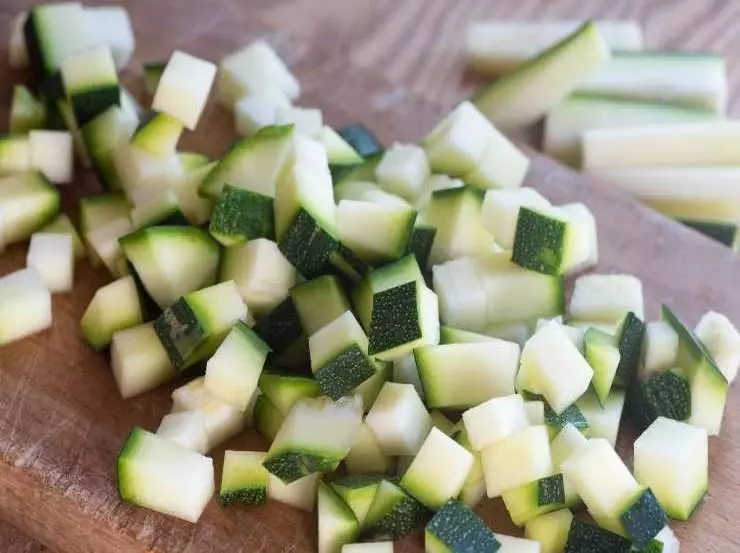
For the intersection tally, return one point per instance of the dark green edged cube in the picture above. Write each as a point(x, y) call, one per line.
point(241, 215)
point(307, 245)
point(540, 242)
point(589, 538)
point(395, 317)
point(457, 529)
point(345, 372)
point(630, 339)
point(644, 519)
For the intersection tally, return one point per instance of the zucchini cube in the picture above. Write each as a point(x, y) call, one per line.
point(26, 112)
point(25, 305)
point(53, 257)
point(516, 460)
point(63, 225)
point(139, 361)
point(438, 471)
point(261, 273)
point(550, 530)
point(536, 498)
point(461, 288)
point(399, 420)
point(15, 153)
point(339, 359)
point(241, 215)
point(722, 341)
point(366, 456)
point(459, 142)
point(461, 376)
point(187, 429)
point(285, 390)
point(586, 468)
point(235, 368)
point(602, 353)
point(520, 545)
point(535, 411)
point(105, 243)
point(552, 366)
point(91, 83)
point(661, 347)
point(244, 480)
point(300, 494)
point(456, 528)
point(358, 492)
point(502, 165)
point(603, 419)
point(584, 536)
point(114, 26)
point(631, 335)
point(115, 306)
point(157, 133)
point(474, 488)
point(308, 121)
point(420, 243)
point(394, 513)
point(361, 139)
point(319, 301)
point(194, 326)
point(316, 436)
point(544, 241)
point(501, 211)
point(258, 109)
point(671, 458)
point(402, 171)
point(52, 154)
point(586, 249)
point(567, 442)
point(495, 420)
point(375, 232)
point(267, 419)
point(337, 523)
point(663, 394)
point(606, 298)
point(643, 519)
point(281, 329)
point(183, 89)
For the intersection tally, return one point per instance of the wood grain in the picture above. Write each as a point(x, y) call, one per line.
point(396, 66)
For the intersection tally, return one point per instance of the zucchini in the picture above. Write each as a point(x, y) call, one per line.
point(114, 307)
point(358, 492)
point(52, 256)
point(695, 79)
point(319, 302)
point(25, 305)
point(152, 73)
point(606, 298)
point(104, 243)
point(300, 494)
point(455, 528)
point(393, 513)
point(724, 233)
point(450, 335)
point(516, 460)
point(51, 153)
point(532, 89)
point(584, 224)
point(158, 474)
point(603, 418)
point(187, 429)
point(602, 353)
point(28, 201)
point(660, 347)
point(474, 488)
point(91, 83)
point(503, 165)
point(316, 435)
point(402, 170)
point(535, 411)
point(101, 136)
point(172, 261)
point(159, 209)
point(157, 133)
point(643, 519)
point(195, 325)
point(461, 376)
point(114, 26)
point(366, 456)
point(267, 420)
point(708, 385)
point(97, 211)
point(406, 372)
point(258, 109)
point(285, 390)
point(583, 112)
point(241, 215)
point(421, 242)
point(569, 440)
point(671, 458)
point(244, 479)
point(281, 329)
point(138, 360)
point(361, 139)
point(495, 420)
point(307, 121)
point(631, 335)
point(552, 366)
point(15, 153)
point(550, 530)
point(339, 359)
point(338, 151)
point(399, 420)
point(438, 472)
point(583, 536)
point(183, 88)
point(722, 341)
point(665, 393)
point(235, 368)
point(536, 498)
point(26, 112)
point(63, 225)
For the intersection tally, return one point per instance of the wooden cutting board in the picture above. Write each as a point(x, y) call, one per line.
point(395, 66)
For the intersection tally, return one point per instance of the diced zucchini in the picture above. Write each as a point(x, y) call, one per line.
point(138, 360)
point(316, 435)
point(358, 492)
point(196, 208)
point(457, 215)
point(660, 347)
point(671, 458)
point(602, 353)
point(366, 456)
point(62, 117)
point(398, 310)
point(550, 530)
point(402, 170)
point(90, 82)
point(377, 233)
point(187, 429)
point(114, 307)
point(172, 261)
point(548, 241)
point(399, 420)
point(495, 420)
point(406, 372)
point(51, 154)
point(583, 536)
point(338, 151)
point(495, 47)
point(393, 513)
point(319, 301)
point(253, 68)
point(567, 442)
point(516, 460)
point(15, 153)
point(583, 112)
point(27, 202)
point(282, 330)
point(587, 467)
point(503, 165)
point(665, 393)
point(722, 341)
point(183, 88)
point(555, 422)
point(235, 368)
point(535, 411)
point(631, 334)
point(114, 26)
point(267, 420)
point(158, 474)
point(552, 366)
point(421, 242)
point(244, 479)
point(460, 285)
point(152, 73)
point(606, 298)
point(586, 254)
point(603, 418)
point(157, 133)
point(643, 519)
point(63, 225)
point(455, 528)
point(158, 209)
point(300, 494)
point(223, 421)
point(474, 488)
point(708, 385)
point(361, 139)
point(307, 121)
point(26, 112)
point(241, 215)
point(25, 305)
point(450, 335)
point(536, 498)
point(438, 471)
point(193, 327)
point(258, 109)
point(285, 390)
point(101, 136)
point(460, 376)
point(98, 211)
point(694, 79)
point(535, 87)
point(724, 233)
point(52, 256)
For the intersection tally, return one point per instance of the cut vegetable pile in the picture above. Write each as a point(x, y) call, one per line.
point(392, 321)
